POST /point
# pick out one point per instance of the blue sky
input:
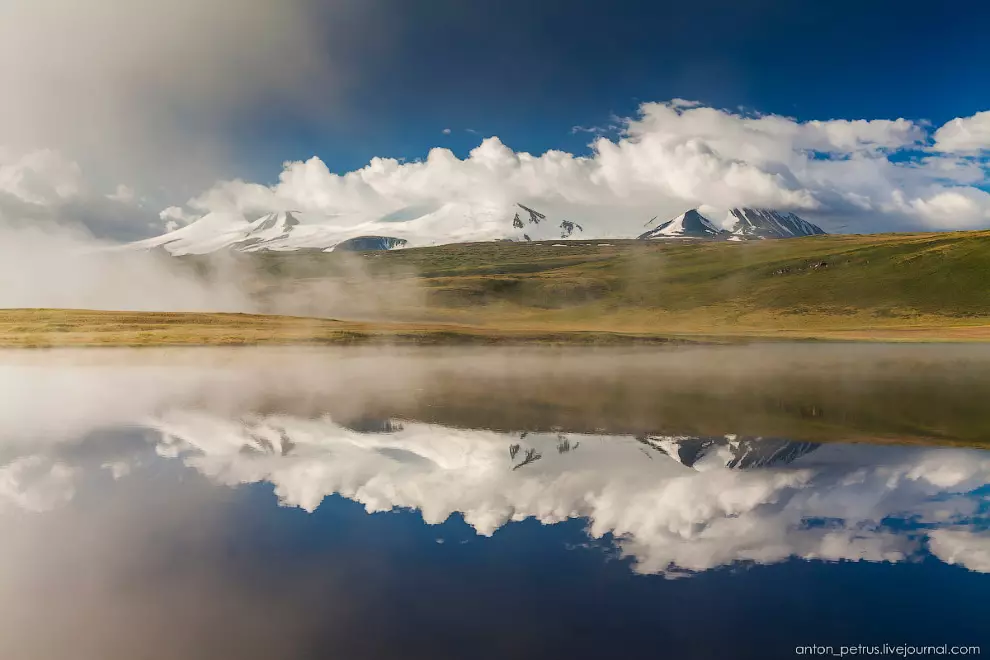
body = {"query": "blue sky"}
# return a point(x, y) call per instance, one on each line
point(130, 117)
point(529, 72)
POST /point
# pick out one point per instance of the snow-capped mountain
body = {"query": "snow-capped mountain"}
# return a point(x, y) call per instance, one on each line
point(690, 224)
point(749, 223)
point(415, 226)
point(531, 226)
point(742, 224)
point(729, 451)
point(283, 231)
point(454, 222)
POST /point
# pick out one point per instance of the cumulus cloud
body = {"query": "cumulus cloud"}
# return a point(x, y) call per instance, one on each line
point(965, 134)
point(961, 546)
point(46, 187)
point(33, 483)
point(39, 177)
point(670, 157)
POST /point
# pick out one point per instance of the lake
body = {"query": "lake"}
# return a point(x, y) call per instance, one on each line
point(682, 502)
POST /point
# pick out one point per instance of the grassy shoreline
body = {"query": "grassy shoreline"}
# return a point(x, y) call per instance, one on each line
point(51, 328)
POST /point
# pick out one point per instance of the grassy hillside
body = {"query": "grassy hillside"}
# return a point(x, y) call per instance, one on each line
point(850, 285)
point(881, 287)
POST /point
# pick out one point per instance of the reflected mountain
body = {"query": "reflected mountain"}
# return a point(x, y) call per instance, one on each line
point(729, 451)
point(372, 425)
point(673, 505)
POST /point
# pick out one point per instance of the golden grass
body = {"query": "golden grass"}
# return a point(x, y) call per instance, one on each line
point(47, 328)
point(41, 328)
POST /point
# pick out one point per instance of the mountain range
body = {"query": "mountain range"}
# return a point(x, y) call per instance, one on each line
point(742, 224)
point(730, 451)
point(444, 224)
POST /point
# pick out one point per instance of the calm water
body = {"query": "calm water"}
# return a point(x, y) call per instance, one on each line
point(685, 503)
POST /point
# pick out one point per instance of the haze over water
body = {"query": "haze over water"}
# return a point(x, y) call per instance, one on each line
point(310, 503)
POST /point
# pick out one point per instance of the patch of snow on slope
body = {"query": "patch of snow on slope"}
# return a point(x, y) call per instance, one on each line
point(690, 224)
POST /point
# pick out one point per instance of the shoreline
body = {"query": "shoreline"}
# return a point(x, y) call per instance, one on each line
point(73, 328)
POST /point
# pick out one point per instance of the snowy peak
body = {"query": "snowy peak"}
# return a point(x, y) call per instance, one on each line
point(283, 222)
point(431, 224)
point(267, 228)
point(690, 224)
point(744, 224)
point(282, 231)
point(751, 223)
point(731, 451)
point(528, 222)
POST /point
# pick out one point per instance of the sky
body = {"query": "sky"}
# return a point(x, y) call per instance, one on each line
point(125, 118)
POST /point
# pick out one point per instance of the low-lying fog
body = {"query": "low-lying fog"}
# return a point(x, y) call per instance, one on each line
point(50, 266)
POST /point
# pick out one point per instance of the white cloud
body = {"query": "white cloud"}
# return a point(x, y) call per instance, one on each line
point(175, 217)
point(668, 518)
point(670, 157)
point(123, 194)
point(966, 548)
point(965, 134)
point(46, 187)
point(39, 177)
point(446, 131)
point(35, 484)
point(957, 208)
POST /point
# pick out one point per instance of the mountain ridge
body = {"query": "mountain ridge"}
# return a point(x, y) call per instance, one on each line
point(690, 224)
point(455, 222)
point(742, 224)
point(288, 231)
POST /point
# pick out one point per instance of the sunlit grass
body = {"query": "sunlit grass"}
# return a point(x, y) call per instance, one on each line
point(889, 287)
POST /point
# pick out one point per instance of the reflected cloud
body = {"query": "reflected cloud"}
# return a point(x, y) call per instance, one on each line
point(672, 504)
point(34, 483)
point(698, 504)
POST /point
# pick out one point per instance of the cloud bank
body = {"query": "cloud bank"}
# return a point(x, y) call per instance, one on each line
point(858, 176)
point(873, 174)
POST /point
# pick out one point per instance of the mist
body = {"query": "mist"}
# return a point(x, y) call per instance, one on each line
point(48, 265)
point(52, 266)
point(147, 93)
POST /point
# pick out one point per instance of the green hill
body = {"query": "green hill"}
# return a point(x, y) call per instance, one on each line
point(892, 287)
point(848, 285)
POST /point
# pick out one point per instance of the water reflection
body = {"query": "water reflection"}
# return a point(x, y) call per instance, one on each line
point(143, 484)
point(673, 504)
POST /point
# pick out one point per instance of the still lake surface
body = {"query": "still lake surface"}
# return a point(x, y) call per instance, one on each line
point(712, 502)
